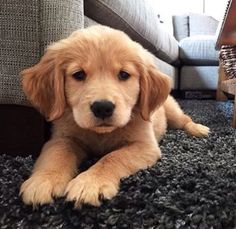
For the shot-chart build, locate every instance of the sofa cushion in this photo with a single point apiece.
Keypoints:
(27, 27)
(139, 21)
(180, 26)
(199, 50)
(201, 24)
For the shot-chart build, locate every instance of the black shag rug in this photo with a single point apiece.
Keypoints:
(193, 186)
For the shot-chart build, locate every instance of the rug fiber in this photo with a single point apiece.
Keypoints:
(193, 186)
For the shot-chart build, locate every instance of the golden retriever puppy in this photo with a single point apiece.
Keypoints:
(105, 97)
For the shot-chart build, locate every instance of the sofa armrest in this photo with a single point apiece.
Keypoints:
(181, 26)
(139, 21)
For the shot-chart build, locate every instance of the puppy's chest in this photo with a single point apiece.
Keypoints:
(101, 144)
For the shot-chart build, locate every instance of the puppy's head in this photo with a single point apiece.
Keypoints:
(101, 75)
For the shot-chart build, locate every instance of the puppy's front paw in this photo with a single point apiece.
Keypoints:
(197, 130)
(90, 188)
(40, 188)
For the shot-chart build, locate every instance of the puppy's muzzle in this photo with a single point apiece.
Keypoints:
(102, 109)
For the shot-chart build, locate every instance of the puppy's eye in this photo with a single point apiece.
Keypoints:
(80, 75)
(123, 75)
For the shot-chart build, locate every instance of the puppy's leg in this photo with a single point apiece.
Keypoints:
(102, 180)
(159, 123)
(178, 120)
(55, 167)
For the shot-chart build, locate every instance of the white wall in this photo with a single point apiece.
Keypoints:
(177, 6)
(214, 8)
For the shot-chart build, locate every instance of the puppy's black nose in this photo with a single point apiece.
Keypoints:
(102, 109)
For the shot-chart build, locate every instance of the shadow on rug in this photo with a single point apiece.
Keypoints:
(193, 186)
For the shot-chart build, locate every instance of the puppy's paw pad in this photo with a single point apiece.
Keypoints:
(40, 189)
(197, 130)
(90, 189)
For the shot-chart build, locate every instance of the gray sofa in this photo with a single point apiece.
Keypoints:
(28, 26)
(198, 57)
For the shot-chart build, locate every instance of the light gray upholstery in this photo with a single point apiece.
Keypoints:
(202, 24)
(19, 47)
(199, 77)
(180, 26)
(199, 50)
(137, 19)
(58, 19)
(89, 22)
(26, 27)
(193, 24)
(169, 70)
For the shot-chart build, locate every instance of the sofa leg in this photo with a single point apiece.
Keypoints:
(220, 95)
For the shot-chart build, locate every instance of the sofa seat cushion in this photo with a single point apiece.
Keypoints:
(139, 21)
(199, 50)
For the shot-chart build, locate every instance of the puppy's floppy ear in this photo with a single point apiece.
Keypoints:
(154, 90)
(44, 86)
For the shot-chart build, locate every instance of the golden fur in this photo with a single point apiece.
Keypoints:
(126, 141)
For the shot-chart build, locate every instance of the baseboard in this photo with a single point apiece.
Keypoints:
(198, 94)
(175, 93)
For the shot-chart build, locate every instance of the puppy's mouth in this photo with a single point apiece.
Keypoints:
(103, 128)
(104, 125)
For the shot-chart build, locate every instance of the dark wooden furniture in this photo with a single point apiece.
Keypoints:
(23, 130)
(227, 33)
(227, 36)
